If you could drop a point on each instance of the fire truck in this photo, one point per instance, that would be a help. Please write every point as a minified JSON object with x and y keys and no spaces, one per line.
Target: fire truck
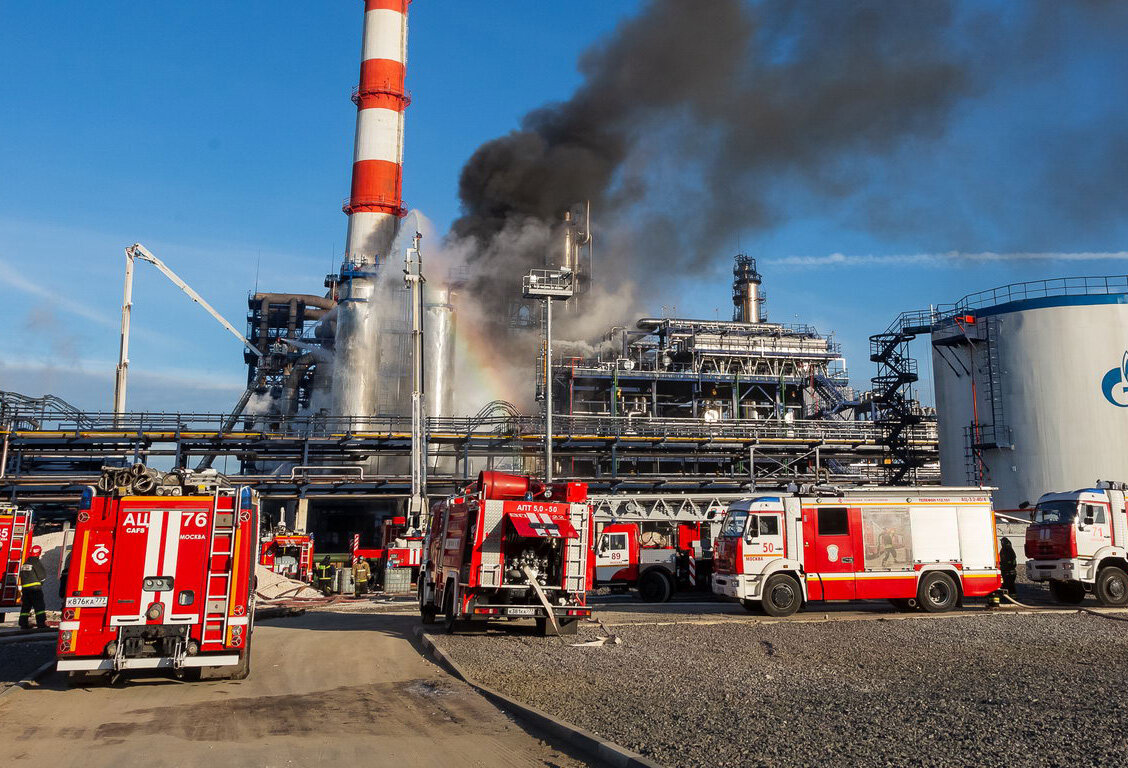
{"x":509,"y":547}
{"x":15,"y":542}
{"x":400,"y":546}
{"x":162,"y":582}
{"x":1077,"y":542}
{"x":288,"y":554}
{"x":656,"y":559}
{"x":916,"y":547}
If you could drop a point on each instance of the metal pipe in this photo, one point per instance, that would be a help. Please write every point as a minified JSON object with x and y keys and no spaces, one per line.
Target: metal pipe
{"x":548,"y":390}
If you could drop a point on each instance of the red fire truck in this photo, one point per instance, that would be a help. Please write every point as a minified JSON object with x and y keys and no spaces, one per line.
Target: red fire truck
{"x":1077,"y":543}
{"x":509,"y":547}
{"x":916,"y":547}
{"x":162,"y":582}
{"x":655,"y":562}
{"x":288,"y":554}
{"x":15,"y":542}
{"x":400,"y":546}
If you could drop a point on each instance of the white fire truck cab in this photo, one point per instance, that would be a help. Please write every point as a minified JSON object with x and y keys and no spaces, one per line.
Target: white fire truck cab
{"x":1077,"y":542}
{"x":916,"y":547}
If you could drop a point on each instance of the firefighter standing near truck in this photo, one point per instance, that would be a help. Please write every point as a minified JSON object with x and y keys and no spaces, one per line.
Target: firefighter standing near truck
{"x":324,"y":573}
{"x":1008,"y":564}
{"x":361,"y":572}
{"x":32,"y":576}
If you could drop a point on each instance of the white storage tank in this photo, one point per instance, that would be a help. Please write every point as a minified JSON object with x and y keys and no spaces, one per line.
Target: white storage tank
{"x":1032,"y":387}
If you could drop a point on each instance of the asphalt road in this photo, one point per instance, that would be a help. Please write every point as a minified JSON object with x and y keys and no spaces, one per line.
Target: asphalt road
{"x":325,"y":689}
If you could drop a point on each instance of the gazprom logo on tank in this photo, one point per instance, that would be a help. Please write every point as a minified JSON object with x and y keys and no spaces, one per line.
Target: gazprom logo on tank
{"x":1114,"y":385}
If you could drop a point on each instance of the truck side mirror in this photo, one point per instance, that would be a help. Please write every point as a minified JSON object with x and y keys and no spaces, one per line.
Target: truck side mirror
{"x":1088,"y":521}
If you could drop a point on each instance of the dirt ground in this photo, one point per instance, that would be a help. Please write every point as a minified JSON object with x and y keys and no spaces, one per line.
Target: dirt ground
{"x":325,"y":689}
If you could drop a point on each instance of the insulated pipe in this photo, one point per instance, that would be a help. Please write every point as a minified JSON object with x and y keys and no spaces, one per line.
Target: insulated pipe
{"x":375,"y":205}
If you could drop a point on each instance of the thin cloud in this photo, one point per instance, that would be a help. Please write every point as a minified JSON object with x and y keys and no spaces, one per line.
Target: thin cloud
{"x":104,"y":370}
{"x":13,"y":279}
{"x":941,"y":259}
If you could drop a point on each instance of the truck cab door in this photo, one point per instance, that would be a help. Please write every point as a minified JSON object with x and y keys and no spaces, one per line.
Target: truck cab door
{"x":1094,"y":528}
{"x":612,"y":557}
{"x":830,"y":548}
{"x":763,"y":541}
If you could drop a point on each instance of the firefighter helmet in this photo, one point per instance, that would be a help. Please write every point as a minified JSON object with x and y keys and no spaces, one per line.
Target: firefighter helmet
{"x":35,"y":551}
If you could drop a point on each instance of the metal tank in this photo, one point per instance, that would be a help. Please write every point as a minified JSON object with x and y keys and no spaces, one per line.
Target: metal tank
{"x":438,"y":350}
{"x":1032,"y":387}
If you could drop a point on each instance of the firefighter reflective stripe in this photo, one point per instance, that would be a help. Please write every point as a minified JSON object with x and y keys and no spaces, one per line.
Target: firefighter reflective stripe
{"x":542,"y":525}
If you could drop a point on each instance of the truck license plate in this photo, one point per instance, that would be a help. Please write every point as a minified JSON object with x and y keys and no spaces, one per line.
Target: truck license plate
{"x":87,"y":602}
{"x":521,"y":612}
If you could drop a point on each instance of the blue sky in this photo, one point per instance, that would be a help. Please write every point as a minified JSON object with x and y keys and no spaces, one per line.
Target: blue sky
{"x":220,"y":135}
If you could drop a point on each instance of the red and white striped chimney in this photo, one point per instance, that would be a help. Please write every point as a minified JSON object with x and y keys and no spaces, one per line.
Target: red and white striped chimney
{"x":375,"y":205}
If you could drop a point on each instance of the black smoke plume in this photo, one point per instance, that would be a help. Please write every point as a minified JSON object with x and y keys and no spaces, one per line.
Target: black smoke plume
{"x":689,"y":112}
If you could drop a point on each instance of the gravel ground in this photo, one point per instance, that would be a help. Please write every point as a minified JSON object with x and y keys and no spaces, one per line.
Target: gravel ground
{"x":994,"y":689}
{"x":18,"y":660}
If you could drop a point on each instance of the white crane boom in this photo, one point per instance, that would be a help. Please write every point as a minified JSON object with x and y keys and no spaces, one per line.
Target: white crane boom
{"x":138,"y":251}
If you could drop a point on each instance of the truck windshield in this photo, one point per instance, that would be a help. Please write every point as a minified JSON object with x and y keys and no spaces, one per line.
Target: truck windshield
{"x":734,"y":523}
{"x":1056,"y":512}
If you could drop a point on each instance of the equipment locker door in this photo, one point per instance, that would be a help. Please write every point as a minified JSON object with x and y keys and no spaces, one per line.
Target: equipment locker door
{"x":831,"y":545}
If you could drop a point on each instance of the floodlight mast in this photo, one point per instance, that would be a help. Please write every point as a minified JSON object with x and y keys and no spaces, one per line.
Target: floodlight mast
{"x":548,"y":285}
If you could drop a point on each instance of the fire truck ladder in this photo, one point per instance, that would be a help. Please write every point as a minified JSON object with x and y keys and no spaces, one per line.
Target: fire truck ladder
{"x":222,"y":545}
{"x":576,"y":554}
{"x":892,"y":394}
{"x":10,"y":587}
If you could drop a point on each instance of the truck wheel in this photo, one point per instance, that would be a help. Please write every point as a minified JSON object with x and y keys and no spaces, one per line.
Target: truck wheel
{"x":655,"y":587}
{"x":1067,"y":592}
{"x":1112,"y":586}
{"x":752,"y":606}
{"x":781,"y":596}
{"x":427,"y":612}
{"x":448,"y":611}
{"x":937,"y":593}
{"x":243,"y":668}
{"x":84,"y":679}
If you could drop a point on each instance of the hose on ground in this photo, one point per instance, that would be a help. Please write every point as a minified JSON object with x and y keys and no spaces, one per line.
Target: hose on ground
{"x":1010,"y":599}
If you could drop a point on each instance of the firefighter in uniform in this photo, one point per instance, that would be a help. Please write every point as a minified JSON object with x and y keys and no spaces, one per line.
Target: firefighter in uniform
{"x":32,"y":576}
{"x":1008,"y":564}
{"x":324,"y":574}
{"x":361,"y":573}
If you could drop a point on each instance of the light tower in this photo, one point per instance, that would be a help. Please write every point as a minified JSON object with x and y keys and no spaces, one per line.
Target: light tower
{"x":374,"y":207}
{"x":548,"y":285}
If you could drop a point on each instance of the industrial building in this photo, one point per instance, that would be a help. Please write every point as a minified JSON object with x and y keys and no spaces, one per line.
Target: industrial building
{"x":330,"y":428}
{"x":1031,"y":385}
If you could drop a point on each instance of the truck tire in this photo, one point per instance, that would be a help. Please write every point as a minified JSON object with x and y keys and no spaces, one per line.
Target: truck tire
{"x":655,"y":586}
{"x":452,"y":622}
{"x":1112,"y":586}
{"x":567,"y":627}
{"x":428,"y":614}
{"x":781,"y":595}
{"x":243,"y":668}
{"x":1067,"y":592}
{"x":85,"y":679}
{"x":937,"y":593}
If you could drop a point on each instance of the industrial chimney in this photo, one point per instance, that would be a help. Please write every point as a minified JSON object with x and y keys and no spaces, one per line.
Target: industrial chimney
{"x":746,"y":295}
{"x":374,"y":209}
